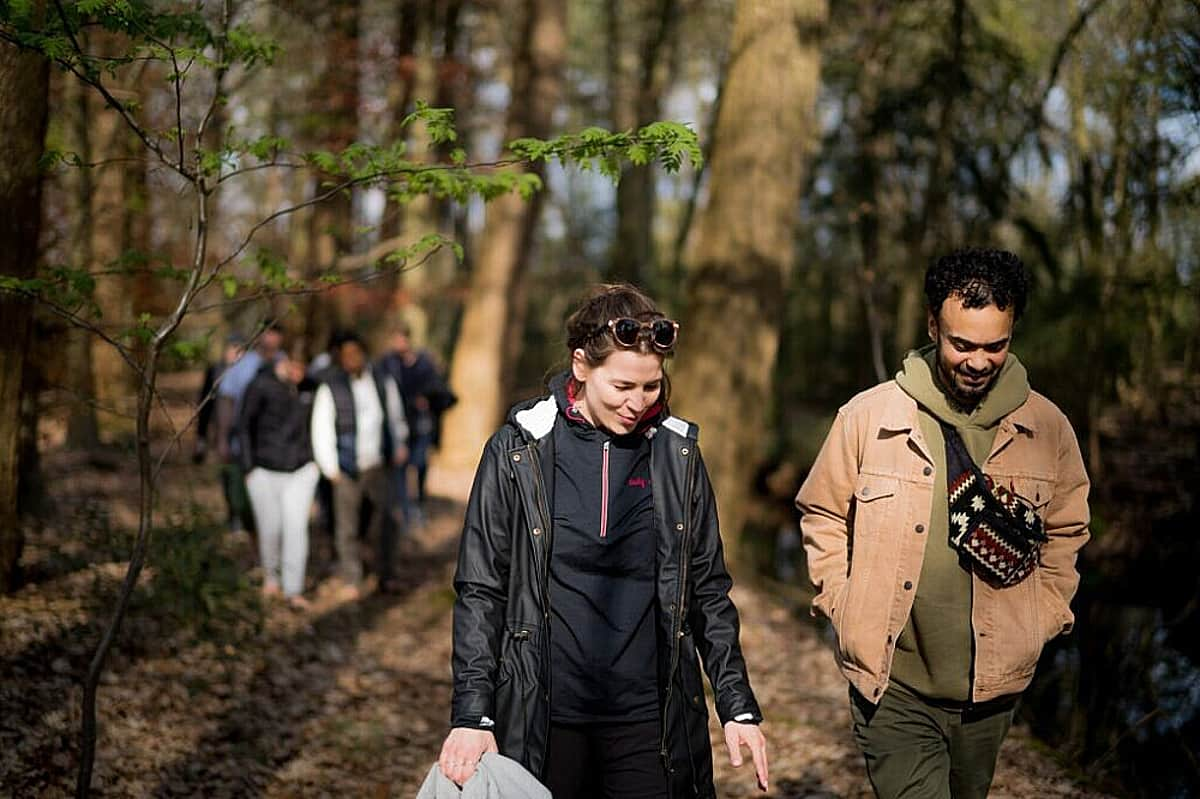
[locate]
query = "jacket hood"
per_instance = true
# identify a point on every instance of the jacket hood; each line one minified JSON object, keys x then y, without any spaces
{"x":1008,"y":392}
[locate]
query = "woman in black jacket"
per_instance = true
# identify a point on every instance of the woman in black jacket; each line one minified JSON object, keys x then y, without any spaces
{"x":591,"y":582}
{"x":281,"y":477}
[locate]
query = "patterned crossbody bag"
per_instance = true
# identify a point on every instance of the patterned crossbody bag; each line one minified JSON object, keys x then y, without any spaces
{"x":997,"y":532}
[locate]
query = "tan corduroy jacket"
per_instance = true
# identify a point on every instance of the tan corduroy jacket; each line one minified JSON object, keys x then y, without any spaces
{"x":865,"y":511}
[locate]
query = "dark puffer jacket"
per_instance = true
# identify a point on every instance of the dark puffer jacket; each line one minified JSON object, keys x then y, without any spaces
{"x":273,"y":423}
{"x":501,"y":616}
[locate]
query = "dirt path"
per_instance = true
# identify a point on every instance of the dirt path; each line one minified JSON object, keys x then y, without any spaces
{"x":348,"y":699}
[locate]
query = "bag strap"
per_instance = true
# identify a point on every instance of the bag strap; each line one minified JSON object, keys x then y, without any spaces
{"x":958,"y":459}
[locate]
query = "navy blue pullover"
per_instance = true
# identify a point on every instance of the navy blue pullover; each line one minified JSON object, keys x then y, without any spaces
{"x":602,"y":574}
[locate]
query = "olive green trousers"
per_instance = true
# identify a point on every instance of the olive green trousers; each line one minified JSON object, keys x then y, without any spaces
{"x":918,"y":750}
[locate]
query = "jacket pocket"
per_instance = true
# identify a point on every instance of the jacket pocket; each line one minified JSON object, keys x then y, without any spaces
{"x":874,"y":502}
{"x":1035,"y":492}
{"x":1013,"y":627}
{"x":861,"y":609}
{"x":1053,"y":617}
{"x":515,"y":687}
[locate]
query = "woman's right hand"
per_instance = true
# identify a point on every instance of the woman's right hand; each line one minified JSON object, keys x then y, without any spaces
{"x":462,"y":750}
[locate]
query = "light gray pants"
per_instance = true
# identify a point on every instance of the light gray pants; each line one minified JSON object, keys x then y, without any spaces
{"x":281,"y":503}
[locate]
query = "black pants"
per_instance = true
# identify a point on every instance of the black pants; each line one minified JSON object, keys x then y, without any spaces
{"x":605,"y":761}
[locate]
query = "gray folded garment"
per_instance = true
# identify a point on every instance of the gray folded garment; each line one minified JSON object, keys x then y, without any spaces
{"x":496,"y":777}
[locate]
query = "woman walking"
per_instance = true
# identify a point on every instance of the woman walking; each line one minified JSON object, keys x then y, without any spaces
{"x":281,"y":477}
{"x":591,"y":581}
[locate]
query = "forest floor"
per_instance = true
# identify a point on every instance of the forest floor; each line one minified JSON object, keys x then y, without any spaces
{"x":212,"y":691}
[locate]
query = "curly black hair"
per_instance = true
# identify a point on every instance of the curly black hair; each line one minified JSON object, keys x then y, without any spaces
{"x":981,"y":277}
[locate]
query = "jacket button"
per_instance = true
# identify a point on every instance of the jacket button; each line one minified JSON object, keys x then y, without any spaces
{"x":696,"y":699}
{"x":683,"y":451}
{"x":671,"y":607}
{"x":908,"y":585}
{"x":927,"y":471}
{"x":866,"y":492}
{"x":920,"y":528}
{"x":537,"y":531}
{"x":517,"y":457}
{"x":679,"y":526}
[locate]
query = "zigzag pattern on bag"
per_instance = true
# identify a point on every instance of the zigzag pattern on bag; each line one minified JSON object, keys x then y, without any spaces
{"x":994,"y":529}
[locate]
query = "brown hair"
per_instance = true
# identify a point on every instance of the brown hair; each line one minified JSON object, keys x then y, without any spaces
{"x":587,"y":327}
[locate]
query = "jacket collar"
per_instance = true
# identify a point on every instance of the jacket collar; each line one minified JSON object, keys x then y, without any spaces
{"x":901,"y":417}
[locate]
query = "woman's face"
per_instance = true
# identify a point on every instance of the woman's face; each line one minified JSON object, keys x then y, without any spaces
{"x":616,"y":394}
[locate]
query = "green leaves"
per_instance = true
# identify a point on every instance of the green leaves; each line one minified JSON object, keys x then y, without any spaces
{"x":671,"y":144}
{"x":426,"y":245}
{"x":439,"y":122}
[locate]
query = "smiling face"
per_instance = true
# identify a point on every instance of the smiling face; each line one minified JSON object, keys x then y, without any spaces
{"x":616,"y":394}
{"x":972,"y":345}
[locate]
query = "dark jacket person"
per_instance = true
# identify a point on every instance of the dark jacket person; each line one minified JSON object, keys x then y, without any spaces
{"x":591,"y":582}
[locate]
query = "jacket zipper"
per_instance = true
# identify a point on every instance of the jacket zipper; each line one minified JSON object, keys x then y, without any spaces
{"x":544,"y":509}
{"x":677,"y":621}
{"x":604,"y":492}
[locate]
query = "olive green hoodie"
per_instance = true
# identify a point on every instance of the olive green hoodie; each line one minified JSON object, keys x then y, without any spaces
{"x":934,"y":651}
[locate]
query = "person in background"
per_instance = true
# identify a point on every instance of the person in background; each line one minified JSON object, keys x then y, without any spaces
{"x":230,"y":390}
{"x":318,"y":369}
{"x":358,"y":432}
{"x":281,"y":477}
{"x":206,"y":402}
{"x":426,"y":397}
{"x":941,"y":521}
{"x":591,"y":582}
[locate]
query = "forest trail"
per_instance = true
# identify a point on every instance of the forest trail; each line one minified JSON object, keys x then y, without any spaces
{"x":348,"y":699}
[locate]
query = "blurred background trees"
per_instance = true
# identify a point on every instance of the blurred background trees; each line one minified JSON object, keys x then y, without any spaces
{"x":847,"y":146}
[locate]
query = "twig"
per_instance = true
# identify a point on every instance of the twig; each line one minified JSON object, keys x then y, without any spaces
{"x":112,"y":101}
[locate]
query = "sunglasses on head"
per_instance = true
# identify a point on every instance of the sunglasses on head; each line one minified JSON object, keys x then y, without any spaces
{"x":661,"y":333}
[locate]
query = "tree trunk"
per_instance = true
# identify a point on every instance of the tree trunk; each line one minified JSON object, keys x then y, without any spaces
{"x":744,"y":248}
{"x":118,"y":186}
{"x":335,"y":103}
{"x":932,"y":229}
{"x":480,"y":367}
{"x":24,"y":83}
{"x":82,"y":429}
{"x":634,"y":105}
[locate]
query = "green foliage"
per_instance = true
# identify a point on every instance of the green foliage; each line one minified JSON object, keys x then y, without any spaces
{"x":196,"y":582}
{"x":182,"y":353}
{"x":427,"y":245}
{"x":670,"y":143}
{"x":189,"y":41}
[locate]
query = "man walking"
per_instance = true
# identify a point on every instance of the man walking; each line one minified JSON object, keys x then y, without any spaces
{"x":941,"y":522}
{"x":426,"y":397}
{"x":358,"y":431}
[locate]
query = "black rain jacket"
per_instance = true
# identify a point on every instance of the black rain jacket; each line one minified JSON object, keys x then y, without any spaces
{"x":501,"y":615}
{"x":273,"y":423}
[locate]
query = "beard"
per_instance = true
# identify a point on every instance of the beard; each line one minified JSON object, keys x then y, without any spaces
{"x":964,"y":388}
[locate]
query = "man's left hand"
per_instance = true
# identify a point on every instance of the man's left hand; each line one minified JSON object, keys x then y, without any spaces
{"x":401,"y":456}
{"x":738,"y":735}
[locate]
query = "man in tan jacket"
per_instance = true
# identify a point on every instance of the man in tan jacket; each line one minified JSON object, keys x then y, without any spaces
{"x":936,"y":655}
